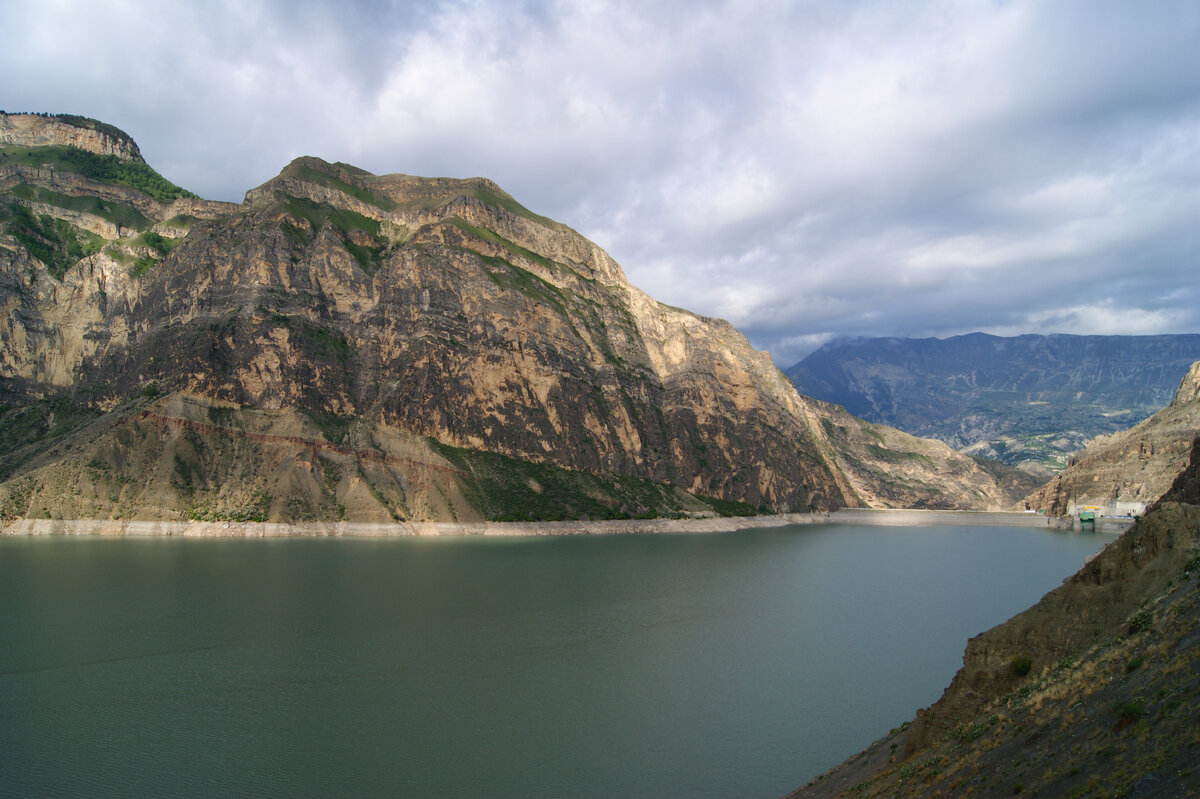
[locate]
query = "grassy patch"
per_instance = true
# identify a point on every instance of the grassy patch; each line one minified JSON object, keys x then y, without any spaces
{"x":39,"y":423}
{"x":511,"y":247}
{"x":307,"y":171}
{"x":101,"y":168}
{"x":335,"y":428}
{"x":142,"y":265}
{"x":155,"y":241}
{"x":57,"y":244}
{"x":118,"y":214}
{"x":327,"y":341}
{"x":503,"y":201}
{"x":320,"y":215}
{"x":892,"y":456}
{"x":503,"y":488}
{"x":368,"y":257}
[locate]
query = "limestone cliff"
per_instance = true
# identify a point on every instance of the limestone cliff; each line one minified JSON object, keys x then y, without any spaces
{"x":1132,"y":466}
{"x":345,"y":345}
{"x":65,"y":130}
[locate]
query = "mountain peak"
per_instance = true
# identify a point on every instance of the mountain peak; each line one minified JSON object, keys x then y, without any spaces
{"x":345,"y":345}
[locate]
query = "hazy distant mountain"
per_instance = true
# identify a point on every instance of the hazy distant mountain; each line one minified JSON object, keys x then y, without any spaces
{"x":1130,"y":466}
{"x":1029,"y":401}
{"x":343,"y":345}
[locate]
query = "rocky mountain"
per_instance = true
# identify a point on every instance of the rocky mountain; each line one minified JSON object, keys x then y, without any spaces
{"x":1094,"y":691}
{"x":1130,"y":467}
{"x":1029,"y":401}
{"x":343,"y":345}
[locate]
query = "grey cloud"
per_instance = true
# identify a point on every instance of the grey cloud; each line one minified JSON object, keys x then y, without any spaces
{"x":804,"y":169}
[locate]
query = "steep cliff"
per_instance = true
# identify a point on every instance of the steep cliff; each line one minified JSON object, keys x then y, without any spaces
{"x":1135,"y":465}
{"x":345,"y":345}
{"x":1094,"y":691}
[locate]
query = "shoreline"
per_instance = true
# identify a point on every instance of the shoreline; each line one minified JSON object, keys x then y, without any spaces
{"x":715,"y":524}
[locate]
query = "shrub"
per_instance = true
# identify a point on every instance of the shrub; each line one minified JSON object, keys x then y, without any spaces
{"x":1140,"y":621}
{"x":1132,"y":710}
{"x":1021,"y":665}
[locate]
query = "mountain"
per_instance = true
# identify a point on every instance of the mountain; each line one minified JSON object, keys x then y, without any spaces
{"x":1094,"y":691}
{"x":1029,"y":401}
{"x":1132,"y":467}
{"x":346,"y":346}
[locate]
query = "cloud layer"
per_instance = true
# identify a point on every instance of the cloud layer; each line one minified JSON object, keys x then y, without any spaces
{"x":806,"y":170}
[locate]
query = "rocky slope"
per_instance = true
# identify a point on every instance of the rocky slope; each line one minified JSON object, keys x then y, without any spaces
{"x":345,"y":345}
{"x":1132,"y":466}
{"x":1029,"y":401}
{"x":1094,"y":691}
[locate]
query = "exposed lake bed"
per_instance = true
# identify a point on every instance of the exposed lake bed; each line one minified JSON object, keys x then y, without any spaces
{"x":731,"y":664}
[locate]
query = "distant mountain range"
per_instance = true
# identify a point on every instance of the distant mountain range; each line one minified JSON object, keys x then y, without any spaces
{"x":1132,"y":467}
{"x":1029,"y":401}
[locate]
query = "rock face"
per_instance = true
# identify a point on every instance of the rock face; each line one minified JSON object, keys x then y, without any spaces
{"x":1132,"y":466}
{"x":1029,"y":401}
{"x":345,"y":345}
{"x":1094,"y":691}
{"x":34,"y":130}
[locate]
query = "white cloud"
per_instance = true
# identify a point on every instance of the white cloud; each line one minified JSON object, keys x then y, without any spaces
{"x":805,"y":169}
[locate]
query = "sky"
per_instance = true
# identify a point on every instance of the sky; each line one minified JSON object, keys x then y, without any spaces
{"x":806,"y":170}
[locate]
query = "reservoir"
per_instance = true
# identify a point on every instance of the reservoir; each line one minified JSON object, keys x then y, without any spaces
{"x":706,"y":665}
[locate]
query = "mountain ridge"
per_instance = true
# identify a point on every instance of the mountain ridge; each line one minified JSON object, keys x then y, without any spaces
{"x":1030,"y":401}
{"x":432,"y":320}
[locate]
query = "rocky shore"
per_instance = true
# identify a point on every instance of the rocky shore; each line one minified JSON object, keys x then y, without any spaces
{"x":127,"y":527}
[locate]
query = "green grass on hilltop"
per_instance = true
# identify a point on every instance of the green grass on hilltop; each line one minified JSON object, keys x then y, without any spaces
{"x":102,"y":168}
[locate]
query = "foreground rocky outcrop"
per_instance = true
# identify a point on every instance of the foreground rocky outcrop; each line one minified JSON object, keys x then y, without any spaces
{"x":350,"y":346}
{"x":1094,"y":691}
{"x":1132,"y":466}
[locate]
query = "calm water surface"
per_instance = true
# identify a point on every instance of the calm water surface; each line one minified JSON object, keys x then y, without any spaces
{"x":726,"y":665}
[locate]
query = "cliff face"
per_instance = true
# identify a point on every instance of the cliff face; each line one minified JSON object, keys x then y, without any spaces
{"x":33,"y":130}
{"x":1135,"y":465}
{"x":1029,"y":401}
{"x":344,"y":345}
{"x":1093,"y":691}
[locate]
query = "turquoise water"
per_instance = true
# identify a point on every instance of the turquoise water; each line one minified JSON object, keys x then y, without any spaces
{"x":723,"y":665}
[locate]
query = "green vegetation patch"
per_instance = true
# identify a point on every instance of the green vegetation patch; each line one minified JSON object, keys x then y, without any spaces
{"x":297,"y":236}
{"x":892,"y":456}
{"x":511,"y":277}
{"x":185,"y":221}
{"x":503,"y":201}
{"x":503,"y":488}
{"x":58,"y":244}
{"x":319,"y":215}
{"x":368,"y":256}
{"x":511,"y":247}
{"x":159,"y":243}
{"x":326,"y":340}
{"x":142,"y":265}
{"x":308,"y":172}
{"x":117,"y":213}
{"x":109,"y":169}
{"x":38,"y":424}
{"x":335,"y":428}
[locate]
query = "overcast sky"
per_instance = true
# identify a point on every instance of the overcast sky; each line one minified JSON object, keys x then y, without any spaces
{"x":804,"y":169}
